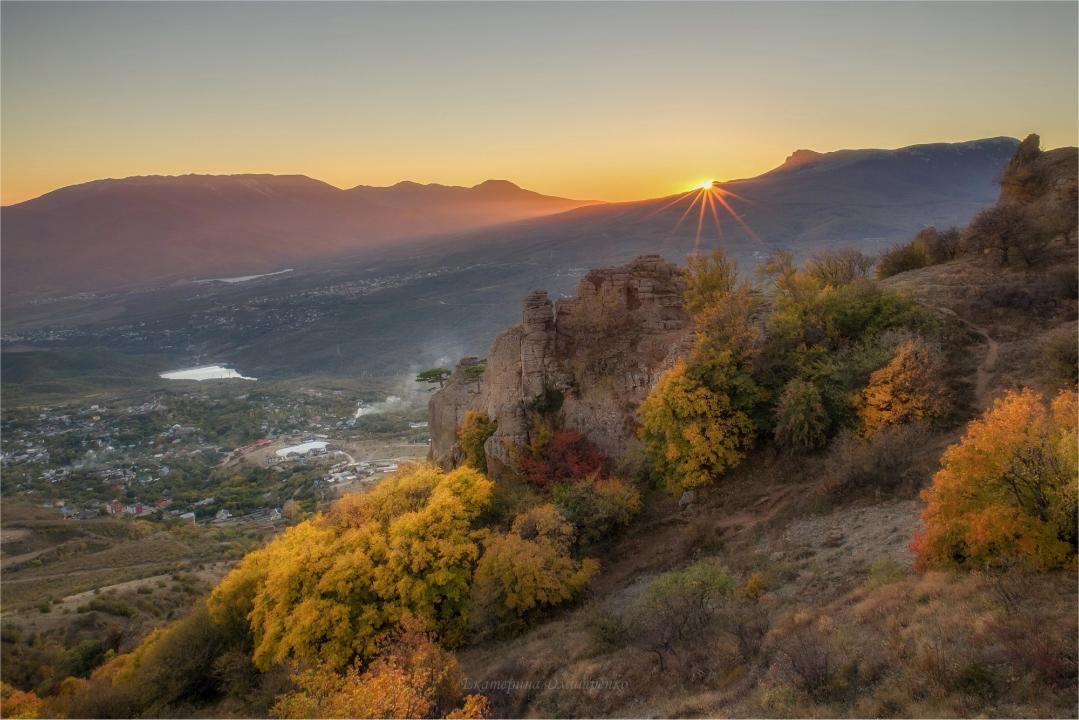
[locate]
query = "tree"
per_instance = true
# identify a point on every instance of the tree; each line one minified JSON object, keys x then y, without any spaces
{"x":328,"y":589}
{"x":907,"y":389}
{"x":434,"y":375}
{"x":1007,"y":492}
{"x":693,"y":433}
{"x":1007,"y":230}
{"x":709,"y":278}
{"x":412,"y":677}
{"x":18,"y":704}
{"x":530,"y":568}
{"x":472,"y":435}
{"x":801,"y":421}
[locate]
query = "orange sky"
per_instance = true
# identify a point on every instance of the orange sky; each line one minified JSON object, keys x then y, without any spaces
{"x":601,"y":101}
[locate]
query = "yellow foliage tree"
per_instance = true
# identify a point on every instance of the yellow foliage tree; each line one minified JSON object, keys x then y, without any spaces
{"x":326,"y":590}
{"x":907,"y":389}
{"x":472,"y":434}
{"x":412,"y":677}
{"x":530,"y":567}
{"x":692,"y":433}
{"x":1007,"y":491}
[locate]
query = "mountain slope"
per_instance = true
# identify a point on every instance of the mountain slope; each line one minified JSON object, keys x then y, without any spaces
{"x":110,"y":233}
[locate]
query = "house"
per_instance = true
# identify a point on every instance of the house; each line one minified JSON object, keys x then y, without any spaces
{"x":188,"y":517}
{"x":222,"y":515}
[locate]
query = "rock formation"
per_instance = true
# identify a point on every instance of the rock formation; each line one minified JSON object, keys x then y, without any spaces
{"x":587,"y":362}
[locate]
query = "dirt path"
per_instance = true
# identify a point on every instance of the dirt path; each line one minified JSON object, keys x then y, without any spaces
{"x":988,"y":364}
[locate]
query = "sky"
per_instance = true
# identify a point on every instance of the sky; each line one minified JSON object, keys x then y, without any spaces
{"x":607,"y":101}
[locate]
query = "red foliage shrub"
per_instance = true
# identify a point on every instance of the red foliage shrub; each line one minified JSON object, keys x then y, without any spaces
{"x":565,"y":456}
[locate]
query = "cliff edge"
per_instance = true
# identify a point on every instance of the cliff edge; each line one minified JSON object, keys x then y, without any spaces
{"x":584,"y":362}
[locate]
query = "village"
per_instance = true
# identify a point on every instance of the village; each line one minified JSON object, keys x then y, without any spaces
{"x":186,"y":456}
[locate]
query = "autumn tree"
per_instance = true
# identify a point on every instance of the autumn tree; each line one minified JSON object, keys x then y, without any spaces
{"x":530,"y":568}
{"x":326,"y":590}
{"x":411,"y":677}
{"x":709,"y":279}
{"x":907,"y":389}
{"x":471,"y":436}
{"x":692,"y":431}
{"x":801,"y":421}
{"x":15,"y":703}
{"x":1007,"y":491}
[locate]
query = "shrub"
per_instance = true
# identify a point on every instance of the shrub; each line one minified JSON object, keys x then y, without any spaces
{"x":901,"y":258}
{"x":596,"y":506}
{"x":709,"y":279}
{"x":559,"y":456}
{"x":880,"y":465}
{"x":473,"y":433}
{"x":411,"y":677}
{"x":807,"y":657}
{"x":681,"y":605}
{"x":907,"y":389}
{"x":839,"y":267}
{"x":1062,"y":354}
{"x":530,"y":567}
{"x":801,"y":421}
{"x":1007,"y":492}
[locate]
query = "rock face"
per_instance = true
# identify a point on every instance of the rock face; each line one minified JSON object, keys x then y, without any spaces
{"x":586,"y":361}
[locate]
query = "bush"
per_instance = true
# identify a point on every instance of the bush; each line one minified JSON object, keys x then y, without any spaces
{"x":597,"y":507}
{"x":901,"y":258}
{"x":411,"y":677}
{"x":559,"y":456}
{"x":801,"y":421}
{"x":908,"y":389}
{"x":1007,"y":492}
{"x":880,"y":465}
{"x":1062,"y":354}
{"x":530,"y":567}
{"x":680,"y":606}
{"x":807,"y":657}
{"x":473,"y":433}
{"x":839,"y":267}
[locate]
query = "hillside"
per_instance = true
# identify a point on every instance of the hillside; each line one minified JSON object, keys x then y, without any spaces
{"x":139,"y":230}
{"x":681,"y":492}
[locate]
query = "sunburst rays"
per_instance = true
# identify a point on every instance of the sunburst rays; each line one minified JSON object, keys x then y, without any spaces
{"x":710,"y":200}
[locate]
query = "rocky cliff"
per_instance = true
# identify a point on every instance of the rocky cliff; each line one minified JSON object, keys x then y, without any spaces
{"x":585,"y":362}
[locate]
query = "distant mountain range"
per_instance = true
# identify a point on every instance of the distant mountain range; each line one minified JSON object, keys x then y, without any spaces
{"x":425,"y":299}
{"x":112,"y":233}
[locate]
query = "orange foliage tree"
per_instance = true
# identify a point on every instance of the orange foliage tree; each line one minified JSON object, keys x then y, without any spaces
{"x":15,"y":703}
{"x":1007,"y":491}
{"x":412,"y":677}
{"x":907,"y":389}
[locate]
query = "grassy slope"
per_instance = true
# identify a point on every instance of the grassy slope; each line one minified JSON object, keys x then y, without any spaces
{"x":907,"y":643}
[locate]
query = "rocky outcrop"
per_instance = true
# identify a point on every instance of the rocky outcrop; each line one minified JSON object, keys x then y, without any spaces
{"x":585,"y":362}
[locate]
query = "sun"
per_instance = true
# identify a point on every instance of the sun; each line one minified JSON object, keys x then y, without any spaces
{"x":707,"y":184}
